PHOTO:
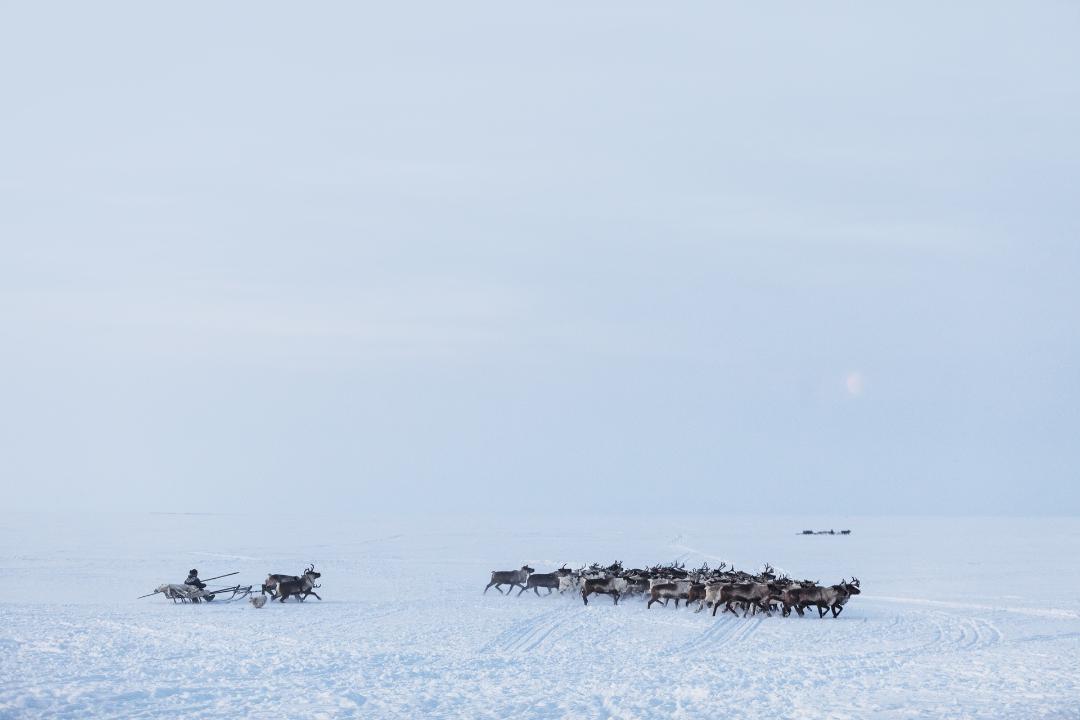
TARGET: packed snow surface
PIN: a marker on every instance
(964, 618)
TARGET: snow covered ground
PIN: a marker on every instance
(959, 618)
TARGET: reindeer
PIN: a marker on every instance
(637, 582)
(696, 592)
(824, 598)
(301, 587)
(711, 596)
(509, 577)
(843, 593)
(572, 580)
(613, 586)
(792, 596)
(777, 588)
(551, 581)
(753, 595)
(675, 589)
(662, 590)
(270, 584)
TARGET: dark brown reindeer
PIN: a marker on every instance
(843, 593)
(270, 584)
(753, 596)
(695, 593)
(509, 577)
(792, 596)
(826, 599)
(300, 587)
(550, 581)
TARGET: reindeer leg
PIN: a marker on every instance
(615, 597)
(837, 609)
(316, 595)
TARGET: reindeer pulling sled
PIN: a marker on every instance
(279, 587)
(282, 587)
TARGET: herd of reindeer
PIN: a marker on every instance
(708, 587)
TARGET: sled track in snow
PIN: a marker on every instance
(976, 634)
(926, 633)
(951, 633)
(722, 631)
(531, 633)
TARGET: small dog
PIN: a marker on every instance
(257, 600)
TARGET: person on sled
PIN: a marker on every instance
(194, 581)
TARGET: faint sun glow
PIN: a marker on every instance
(855, 382)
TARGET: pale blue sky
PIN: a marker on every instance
(618, 256)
